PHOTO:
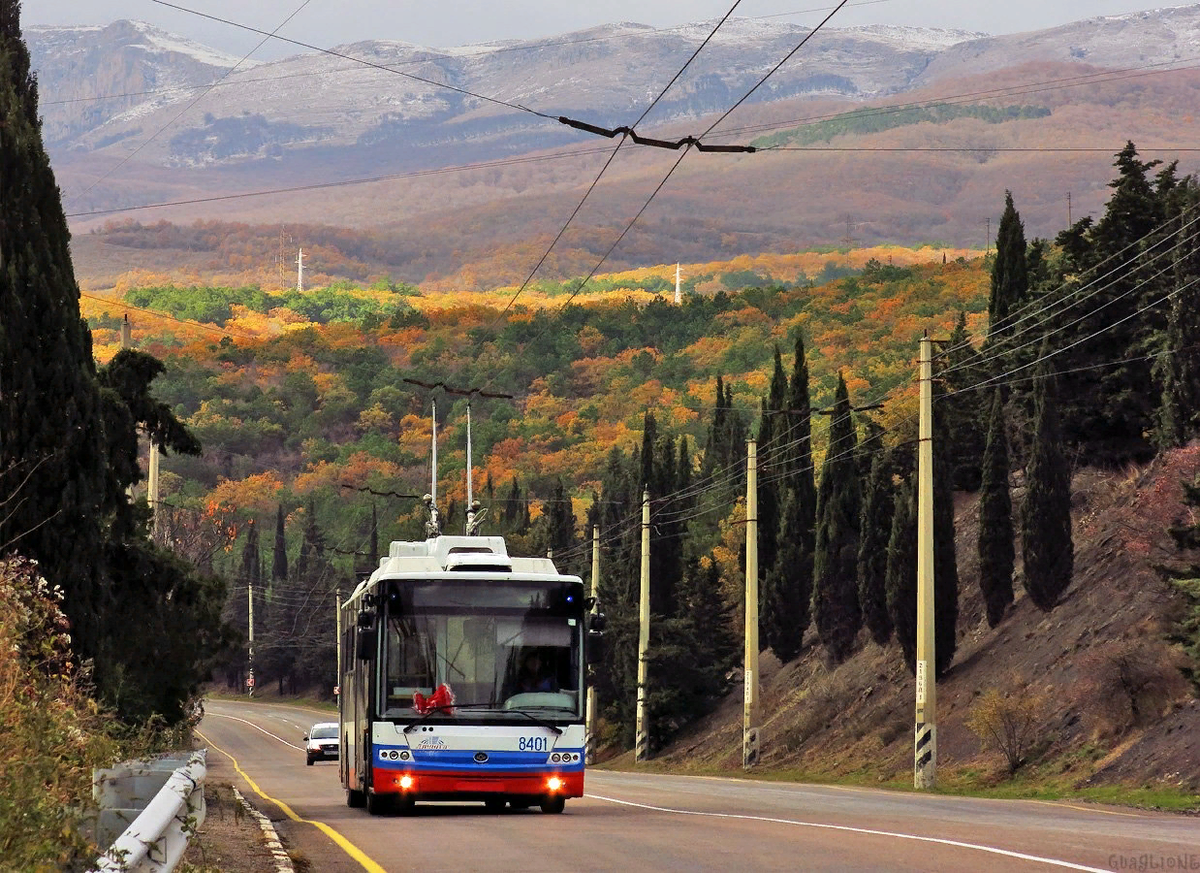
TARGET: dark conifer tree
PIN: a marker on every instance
(279, 566)
(875, 533)
(945, 564)
(902, 574)
(53, 450)
(996, 551)
(1046, 544)
(962, 410)
(771, 432)
(788, 594)
(560, 520)
(839, 498)
(373, 554)
(1178, 371)
(1010, 279)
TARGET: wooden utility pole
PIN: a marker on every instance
(925, 739)
(642, 751)
(589, 736)
(750, 715)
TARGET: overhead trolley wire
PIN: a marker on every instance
(362, 61)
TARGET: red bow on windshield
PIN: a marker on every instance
(442, 698)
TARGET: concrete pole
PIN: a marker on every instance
(250, 646)
(589, 742)
(925, 738)
(152, 492)
(642, 751)
(750, 714)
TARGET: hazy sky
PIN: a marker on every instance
(458, 22)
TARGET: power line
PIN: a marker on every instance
(464, 91)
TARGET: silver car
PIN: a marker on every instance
(321, 742)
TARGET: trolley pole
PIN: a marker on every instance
(750, 715)
(925, 737)
(643, 737)
(338, 625)
(589, 741)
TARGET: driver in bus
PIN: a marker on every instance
(533, 676)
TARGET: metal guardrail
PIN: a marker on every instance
(149, 809)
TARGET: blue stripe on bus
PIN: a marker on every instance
(465, 759)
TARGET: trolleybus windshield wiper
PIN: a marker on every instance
(445, 707)
(538, 721)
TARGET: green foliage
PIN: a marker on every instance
(861, 122)
(902, 574)
(204, 303)
(839, 498)
(876, 529)
(996, 551)
(1046, 546)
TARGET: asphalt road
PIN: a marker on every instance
(632, 822)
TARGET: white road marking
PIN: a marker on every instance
(900, 836)
(256, 727)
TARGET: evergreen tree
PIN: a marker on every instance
(1178, 370)
(875, 532)
(961, 409)
(68, 443)
(996, 552)
(1186, 580)
(788, 594)
(835, 586)
(902, 574)
(771, 437)
(279, 566)
(560, 520)
(1010, 278)
(1046, 510)
(945, 564)
(53, 449)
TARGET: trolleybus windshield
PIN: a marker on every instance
(506, 649)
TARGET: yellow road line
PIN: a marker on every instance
(1090, 809)
(348, 847)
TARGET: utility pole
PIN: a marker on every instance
(589, 742)
(642, 751)
(1068, 209)
(750, 716)
(987, 240)
(678, 290)
(300, 272)
(925, 737)
(250, 647)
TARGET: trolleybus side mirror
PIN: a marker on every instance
(365, 643)
(365, 638)
(595, 647)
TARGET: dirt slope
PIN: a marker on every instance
(856, 720)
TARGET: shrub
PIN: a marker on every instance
(1131, 682)
(1008, 723)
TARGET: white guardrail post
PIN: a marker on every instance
(159, 803)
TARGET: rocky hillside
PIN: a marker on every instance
(1095, 727)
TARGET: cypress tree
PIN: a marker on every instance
(875, 534)
(1178, 371)
(53, 450)
(1010, 279)
(1046, 510)
(961, 408)
(902, 574)
(835, 586)
(771, 437)
(945, 564)
(279, 566)
(996, 552)
(788, 591)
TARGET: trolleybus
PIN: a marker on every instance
(438, 700)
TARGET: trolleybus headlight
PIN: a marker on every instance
(556, 757)
(554, 783)
(406, 782)
(404, 756)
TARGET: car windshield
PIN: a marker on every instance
(500, 648)
(323, 732)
